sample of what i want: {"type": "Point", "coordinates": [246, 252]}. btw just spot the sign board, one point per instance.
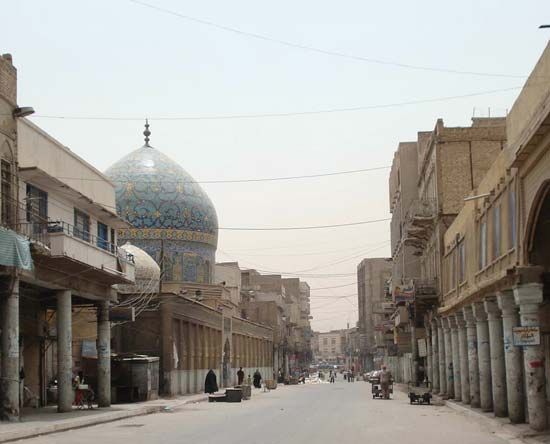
{"type": "Point", "coordinates": [422, 349]}
{"type": "Point", "coordinates": [403, 292]}
{"type": "Point", "coordinates": [525, 336]}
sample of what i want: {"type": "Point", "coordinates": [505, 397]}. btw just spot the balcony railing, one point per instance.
{"type": "Point", "coordinates": [41, 232]}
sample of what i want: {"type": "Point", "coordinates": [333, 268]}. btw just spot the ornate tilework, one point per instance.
{"type": "Point", "coordinates": [166, 207]}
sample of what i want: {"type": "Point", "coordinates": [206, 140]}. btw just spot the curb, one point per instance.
{"type": "Point", "coordinates": [500, 427]}
{"type": "Point", "coordinates": [87, 421]}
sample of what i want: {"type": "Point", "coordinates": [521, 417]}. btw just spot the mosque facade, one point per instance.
{"type": "Point", "coordinates": [172, 218]}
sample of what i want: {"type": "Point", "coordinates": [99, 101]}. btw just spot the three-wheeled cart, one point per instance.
{"type": "Point", "coordinates": [420, 393]}
{"type": "Point", "coordinates": [376, 389]}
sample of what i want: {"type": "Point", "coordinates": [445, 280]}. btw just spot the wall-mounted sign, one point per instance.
{"type": "Point", "coordinates": [525, 336]}
{"type": "Point", "coordinates": [403, 292]}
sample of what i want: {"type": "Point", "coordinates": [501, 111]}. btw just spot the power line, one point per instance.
{"type": "Point", "coordinates": [310, 227]}
{"type": "Point", "coordinates": [261, 179]}
{"type": "Point", "coordinates": [283, 114]}
{"type": "Point", "coordinates": [320, 50]}
{"type": "Point", "coordinates": [335, 286]}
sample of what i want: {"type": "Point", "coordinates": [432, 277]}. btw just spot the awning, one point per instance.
{"type": "Point", "coordinates": [15, 250]}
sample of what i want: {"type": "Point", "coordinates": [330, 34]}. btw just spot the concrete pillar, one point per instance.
{"type": "Point", "coordinates": [441, 358]}
{"type": "Point", "coordinates": [463, 357]}
{"type": "Point", "coordinates": [513, 357]}
{"type": "Point", "coordinates": [435, 358]}
{"type": "Point", "coordinates": [448, 358]}
{"type": "Point", "coordinates": [473, 364]}
{"type": "Point", "coordinates": [457, 379]}
{"type": "Point", "coordinates": [65, 394]}
{"type": "Point", "coordinates": [529, 298]}
{"type": "Point", "coordinates": [414, 347]}
{"type": "Point", "coordinates": [429, 362]}
{"type": "Point", "coordinates": [498, 367]}
{"type": "Point", "coordinates": [10, 352]}
{"type": "Point", "coordinates": [484, 357]}
{"type": "Point", "coordinates": [103, 355]}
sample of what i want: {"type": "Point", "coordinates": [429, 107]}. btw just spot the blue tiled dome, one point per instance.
{"type": "Point", "coordinates": [171, 214]}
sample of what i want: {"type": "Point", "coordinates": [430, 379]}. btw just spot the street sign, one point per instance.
{"type": "Point", "coordinates": [422, 349]}
{"type": "Point", "coordinates": [525, 336]}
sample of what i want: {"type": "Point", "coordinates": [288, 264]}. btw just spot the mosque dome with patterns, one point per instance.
{"type": "Point", "coordinates": [172, 217]}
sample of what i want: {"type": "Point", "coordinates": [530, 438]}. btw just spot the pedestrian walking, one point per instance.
{"type": "Point", "coordinates": [257, 379]}
{"type": "Point", "coordinates": [385, 381]}
{"type": "Point", "coordinates": [240, 376]}
{"type": "Point", "coordinates": [211, 382]}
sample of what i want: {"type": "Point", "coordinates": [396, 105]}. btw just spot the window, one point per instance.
{"type": "Point", "coordinates": [452, 270]}
{"type": "Point", "coordinates": [461, 262]}
{"type": "Point", "coordinates": [37, 204]}
{"type": "Point", "coordinates": [333, 341]}
{"type": "Point", "coordinates": [113, 240]}
{"type": "Point", "coordinates": [496, 232]}
{"type": "Point", "coordinates": [512, 218]}
{"type": "Point", "coordinates": [37, 208]}
{"type": "Point", "coordinates": [102, 236]}
{"type": "Point", "coordinates": [325, 341]}
{"type": "Point", "coordinates": [7, 205]}
{"type": "Point", "coordinates": [81, 225]}
{"type": "Point", "coordinates": [483, 244]}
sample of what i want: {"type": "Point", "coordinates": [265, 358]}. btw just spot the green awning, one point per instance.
{"type": "Point", "coordinates": [15, 250]}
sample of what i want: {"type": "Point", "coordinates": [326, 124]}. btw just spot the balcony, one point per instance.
{"type": "Point", "coordinates": [420, 222]}
{"type": "Point", "coordinates": [64, 247]}
{"type": "Point", "coordinates": [425, 289]}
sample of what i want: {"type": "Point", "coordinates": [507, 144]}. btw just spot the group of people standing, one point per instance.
{"type": "Point", "coordinates": [211, 382]}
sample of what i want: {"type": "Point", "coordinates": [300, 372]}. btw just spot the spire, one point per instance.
{"type": "Point", "coordinates": [147, 133]}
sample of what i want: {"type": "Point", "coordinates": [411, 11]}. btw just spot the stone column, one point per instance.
{"type": "Point", "coordinates": [429, 362]}
{"type": "Point", "coordinates": [457, 380]}
{"type": "Point", "coordinates": [103, 355]}
{"type": "Point", "coordinates": [463, 356]}
{"type": "Point", "coordinates": [512, 356]}
{"type": "Point", "coordinates": [529, 297]}
{"type": "Point", "coordinates": [435, 358]}
{"type": "Point", "coordinates": [498, 368]}
{"type": "Point", "coordinates": [10, 352]}
{"type": "Point", "coordinates": [448, 358]}
{"type": "Point", "coordinates": [441, 358]}
{"type": "Point", "coordinates": [473, 364]}
{"type": "Point", "coordinates": [484, 357]}
{"type": "Point", "coordinates": [65, 394]}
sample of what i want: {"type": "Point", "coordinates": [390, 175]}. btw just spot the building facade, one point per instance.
{"type": "Point", "coordinates": [495, 265]}
{"type": "Point", "coordinates": [59, 262]}
{"type": "Point", "coordinates": [374, 309]}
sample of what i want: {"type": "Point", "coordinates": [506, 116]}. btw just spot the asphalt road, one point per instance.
{"type": "Point", "coordinates": [338, 413]}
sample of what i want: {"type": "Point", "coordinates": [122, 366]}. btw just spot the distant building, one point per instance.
{"type": "Point", "coordinates": [372, 277]}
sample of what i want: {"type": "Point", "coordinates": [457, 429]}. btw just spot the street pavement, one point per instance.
{"type": "Point", "coordinates": [339, 413]}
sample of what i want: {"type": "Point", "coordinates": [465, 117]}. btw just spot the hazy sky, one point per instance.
{"type": "Point", "coordinates": [116, 58]}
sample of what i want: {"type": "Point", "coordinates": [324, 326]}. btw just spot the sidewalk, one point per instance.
{"type": "Point", "coordinates": [501, 427]}
{"type": "Point", "coordinates": [46, 420]}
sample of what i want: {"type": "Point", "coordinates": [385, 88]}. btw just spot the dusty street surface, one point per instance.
{"type": "Point", "coordinates": [338, 413]}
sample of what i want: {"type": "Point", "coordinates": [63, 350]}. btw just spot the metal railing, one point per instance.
{"type": "Point", "coordinates": [38, 228]}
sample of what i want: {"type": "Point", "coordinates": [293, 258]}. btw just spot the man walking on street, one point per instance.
{"type": "Point", "coordinates": [385, 381]}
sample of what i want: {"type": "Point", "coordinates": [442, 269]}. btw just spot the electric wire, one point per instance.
{"type": "Point", "coordinates": [282, 114]}
{"type": "Point", "coordinates": [261, 179]}
{"type": "Point", "coordinates": [318, 50]}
